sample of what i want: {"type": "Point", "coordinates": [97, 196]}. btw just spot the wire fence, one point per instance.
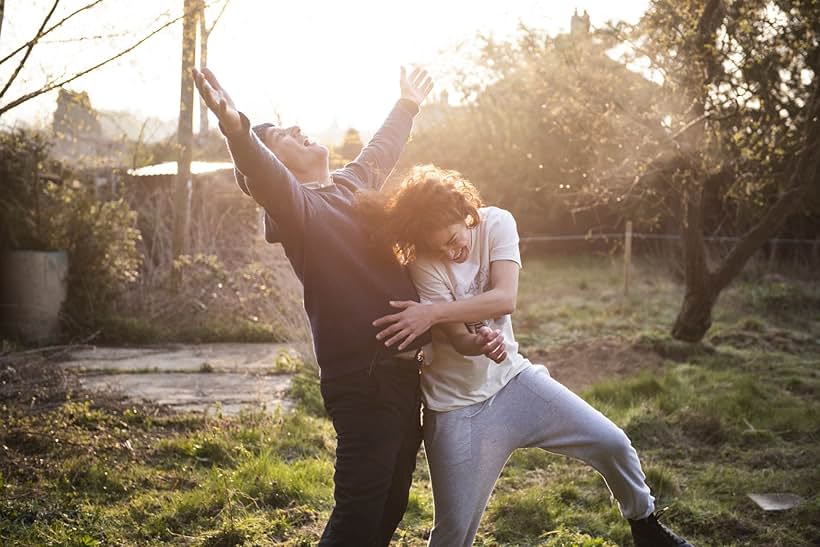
{"type": "Point", "coordinates": [804, 252]}
{"type": "Point", "coordinates": [665, 237]}
{"type": "Point", "coordinates": [774, 248]}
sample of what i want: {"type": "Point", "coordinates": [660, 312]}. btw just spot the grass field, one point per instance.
{"type": "Point", "coordinates": [712, 422]}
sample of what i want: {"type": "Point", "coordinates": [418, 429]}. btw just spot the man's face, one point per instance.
{"type": "Point", "coordinates": [294, 149]}
{"type": "Point", "coordinates": [451, 243]}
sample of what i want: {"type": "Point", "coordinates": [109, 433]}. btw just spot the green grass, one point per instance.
{"type": "Point", "coordinates": [135, 330]}
{"type": "Point", "coordinates": [736, 414]}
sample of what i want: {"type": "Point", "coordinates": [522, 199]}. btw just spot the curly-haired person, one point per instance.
{"type": "Point", "coordinates": [464, 262]}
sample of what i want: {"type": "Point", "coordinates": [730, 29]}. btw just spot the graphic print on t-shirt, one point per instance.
{"type": "Point", "coordinates": [479, 284]}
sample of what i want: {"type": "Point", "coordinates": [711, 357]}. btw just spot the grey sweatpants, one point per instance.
{"type": "Point", "coordinates": [467, 448]}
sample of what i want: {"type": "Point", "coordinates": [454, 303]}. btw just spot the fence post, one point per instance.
{"type": "Point", "coordinates": [627, 255]}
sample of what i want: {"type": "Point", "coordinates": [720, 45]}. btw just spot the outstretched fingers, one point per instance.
{"type": "Point", "coordinates": [217, 100]}
{"type": "Point", "coordinates": [211, 77]}
{"type": "Point", "coordinates": [409, 338]}
{"type": "Point", "coordinates": [203, 87]}
{"type": "Point", "coordinates": [405, 336]}
{"type": "Point", "coordinates": [428, 86]}
{"type": "Point", "coordinates": [387, 320]}
{"type": "Point", "coordinates": [414, 75]}
{"type": "Point", "coordinates": [422, 81]}
{"type": "Point", "coordinates": [418, 77]}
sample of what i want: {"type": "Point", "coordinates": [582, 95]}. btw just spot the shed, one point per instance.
{"type": "Point", "coordinates": [222, 218]}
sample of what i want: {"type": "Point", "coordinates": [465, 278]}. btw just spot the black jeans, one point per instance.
{"type": "Point", "coordinates": [378, 427]}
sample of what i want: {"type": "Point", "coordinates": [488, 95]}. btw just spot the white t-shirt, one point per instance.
{"type": "Point", "coordinates": [453, 380]}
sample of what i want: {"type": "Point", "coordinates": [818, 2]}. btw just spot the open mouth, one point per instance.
{"type": "Point", "coordinates": [461, 254]}
{"type": "Point", "coordinates": [306, 142]}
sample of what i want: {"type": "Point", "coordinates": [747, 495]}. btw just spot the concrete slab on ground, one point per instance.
{"type": "Point", "coordinates": [180, 357]}
{"type": "Point", "coordinates": [197, 392]}
{"type": "Point", "coordinates": [188, 377]}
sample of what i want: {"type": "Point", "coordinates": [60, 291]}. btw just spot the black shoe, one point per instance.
{"type": "Point", "coordinates": [649, 532]}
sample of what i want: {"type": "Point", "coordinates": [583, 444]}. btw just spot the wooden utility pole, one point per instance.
{"type": "Point", "coordinates": [185, 132]}
{"type": "Point", "coordinates": [203, 63]}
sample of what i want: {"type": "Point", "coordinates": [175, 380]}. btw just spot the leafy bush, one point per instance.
{"type": "Point", "coordinates": [101, 242]}
{"type": "Point", "coordinates": [22, 156]}
{"type": "Point", "coordinates": [114, 286]}
{"type": "Point", "coordinates": [47, 207]}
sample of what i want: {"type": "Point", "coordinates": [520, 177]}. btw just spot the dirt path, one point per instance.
{"type": "Point", "coordinates": [579, 366]}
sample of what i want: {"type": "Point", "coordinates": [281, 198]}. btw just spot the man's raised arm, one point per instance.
{"type": "Point", "coordinates": [376, 160]}
{"type": "Point", "coordinates": [268, 181]}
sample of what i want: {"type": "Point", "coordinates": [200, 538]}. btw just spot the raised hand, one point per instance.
{"type": "Point", "coordinates": [217, 100]}
{"type": "Point", "coordinates": [406, 325]}
{"type": "Point", "coordinates": [492, 343]}
{"type": "Point", "coordinates": [416, 86]}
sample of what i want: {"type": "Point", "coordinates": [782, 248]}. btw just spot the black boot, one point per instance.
{"type": "Point", "coordinates": [649, 532]}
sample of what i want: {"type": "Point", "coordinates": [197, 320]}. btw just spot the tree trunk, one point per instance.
{"type": "Point", "coordinates": [182, 193]}
{"type": "Point", "coordinates": [702, 286]}
{"type": "Point", "coordinates": [695, 316]}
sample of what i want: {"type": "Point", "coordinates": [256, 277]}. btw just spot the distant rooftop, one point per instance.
{"type": "Point", "coordinates": [170, 168]}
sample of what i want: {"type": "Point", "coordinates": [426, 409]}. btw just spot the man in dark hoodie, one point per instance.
{"type": "Point", "coordinates": [370, 392]}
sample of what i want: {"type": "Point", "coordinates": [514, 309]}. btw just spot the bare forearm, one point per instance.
{"type": "Point", "coordinates": [465, 343]}
{"type": "Point", "coordinates": [493, 303]}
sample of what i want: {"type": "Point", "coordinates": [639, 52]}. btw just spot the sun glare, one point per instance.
{"type": "Point", "coordinates": [317, 64]}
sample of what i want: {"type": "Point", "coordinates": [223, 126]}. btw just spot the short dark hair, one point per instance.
{"type": "Point", "coordinates": [260, 129]}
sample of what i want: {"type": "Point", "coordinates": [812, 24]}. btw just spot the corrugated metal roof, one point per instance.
{"type": "Point", "coordinates": [170, 168]}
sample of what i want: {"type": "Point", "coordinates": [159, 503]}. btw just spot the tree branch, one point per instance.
{"type": "Point", "coordinates": [88, 38]}
{"type": "Point", "coordinates": [806, 174]}
{"type": "Point", "coordinates": [30, 47]}
{"type": "Point", "coordinates": [48, 87]}
{"type": "Point", "coordinates": [39, 35]}
{"type": "Point", "coordinates": [218, 16]}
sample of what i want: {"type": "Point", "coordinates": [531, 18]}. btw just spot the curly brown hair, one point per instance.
{"type": "Point", "coordinates": [428, 199]}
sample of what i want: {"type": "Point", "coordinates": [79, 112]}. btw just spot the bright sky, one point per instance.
{"type": "Point", "coordinates": [312, 62]}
